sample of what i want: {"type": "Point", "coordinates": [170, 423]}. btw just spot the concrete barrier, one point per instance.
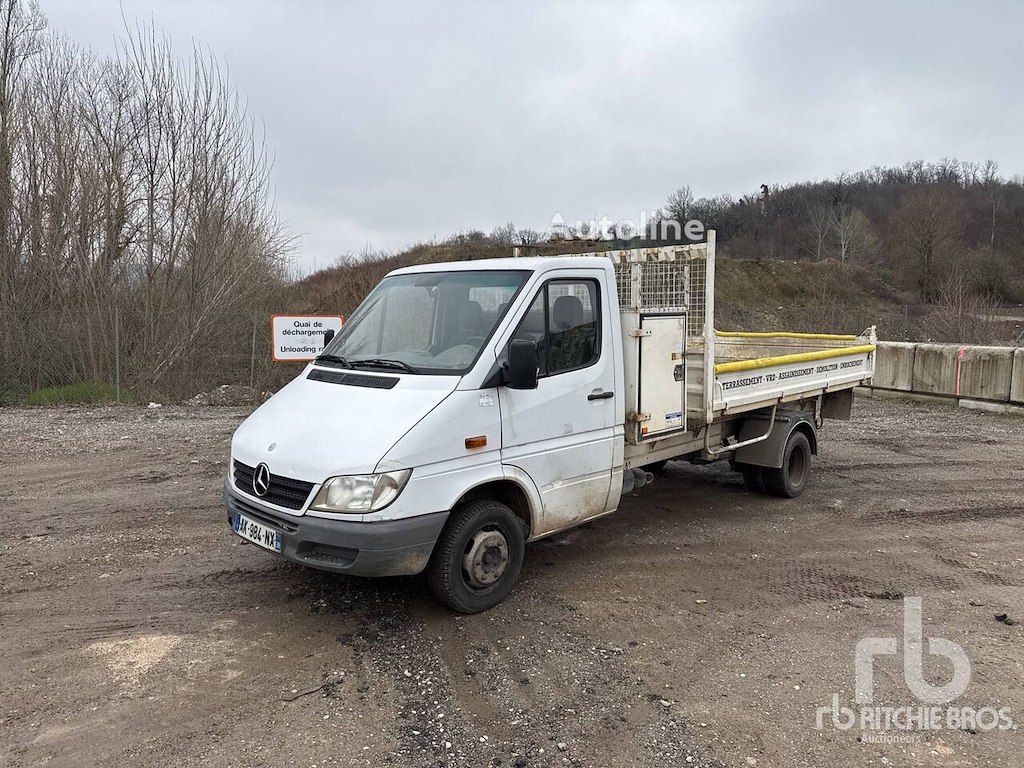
{"type": "Point", "coordinates": [980, 373]}
{"type": "Point", "coordinates": [1003, 409]}
{"type": "Point", "coordinates": [986, 373]}
{"type": "Point", "coordinates": [894, 366]}
{"type": "Point", "coordinates": [1017, 384]}
{"type": "Point", "coordinates": [980, 378]}
{"type": "Point", "coordinates": [935, 369]}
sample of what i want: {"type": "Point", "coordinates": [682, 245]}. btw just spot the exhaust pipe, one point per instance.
{"type": "Point", "coordinates": [634, 479]}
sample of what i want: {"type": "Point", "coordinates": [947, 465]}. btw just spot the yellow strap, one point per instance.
{"type": "Point", "coordinates": [785, 335]}
{"type": "Point", "coordinates": [800, 357]}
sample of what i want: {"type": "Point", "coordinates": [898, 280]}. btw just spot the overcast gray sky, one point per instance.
{"type": "Point", "coordinates": [398, 122]}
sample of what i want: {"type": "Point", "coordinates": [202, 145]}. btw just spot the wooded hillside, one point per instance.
{"type": "Point", "coordinates": [921, 225]}
{"type": "Point", "coordinates": [925, 251]}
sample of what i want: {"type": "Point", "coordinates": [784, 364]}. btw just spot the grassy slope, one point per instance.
{"type": "Point", "coordinates": [825, 297]}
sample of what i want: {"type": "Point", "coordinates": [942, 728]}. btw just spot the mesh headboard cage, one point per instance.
{"type": "Point", "coordinates": [668, 279]}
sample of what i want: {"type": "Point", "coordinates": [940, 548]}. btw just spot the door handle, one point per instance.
{"type": "Point", "coordinates": [600, 395]}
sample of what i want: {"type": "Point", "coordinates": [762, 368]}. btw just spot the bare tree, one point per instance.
{"type": "Point", "coordinates": [993, 192]}
{"type": "Point", "coordinates": [134, 184]}
{"type": "Point", "coordinates": [961, 315]}
{"type": "Point", "coordinates": [818, 228]}
{"type": "Point", "coordinates": [855, 239]}
{"type": "Point", "coordinates": [678, 205]}
{"type": "Point", "coordinates": [529, 236]}
{"type": "Point", "coordinates": [21, 28]}
{"type": "Point", "coordinates": [839, 189]}
{"type": "Point", "coordinates": [505, 235]}
{"type": "Point", "coordinates": [926, 232]}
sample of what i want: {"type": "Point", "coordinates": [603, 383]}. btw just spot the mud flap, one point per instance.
{"type": "Point", "coordinates": [768, 453]}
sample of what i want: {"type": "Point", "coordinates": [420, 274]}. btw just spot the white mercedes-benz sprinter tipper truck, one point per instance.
{"type": "Point", "coordinates": [468, 408]}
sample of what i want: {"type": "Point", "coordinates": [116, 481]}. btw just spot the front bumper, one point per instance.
{"type": "Point", "coordinates": [383, 548]}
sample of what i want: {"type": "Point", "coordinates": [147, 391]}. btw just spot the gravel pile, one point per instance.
{"type": "Point", "coordinates": [229, 395]}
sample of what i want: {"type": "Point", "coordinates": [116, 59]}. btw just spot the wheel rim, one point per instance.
{"type": "Point", "coordinates": [796, 468]}
{"type": "Point", "coordinates": [486, 558]}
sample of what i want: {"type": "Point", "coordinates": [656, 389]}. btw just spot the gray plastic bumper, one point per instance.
{"type": "Point", "coordinates": [384, 548]}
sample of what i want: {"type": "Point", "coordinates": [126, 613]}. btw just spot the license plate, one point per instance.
{"type": "Point", "coordinates": [257, 533]}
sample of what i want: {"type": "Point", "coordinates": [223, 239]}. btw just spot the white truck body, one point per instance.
{"type": "Point", "coordinates": [375, 465]}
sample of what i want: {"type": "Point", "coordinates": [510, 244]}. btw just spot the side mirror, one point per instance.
{"type": "Point", "coordinates": [328, 335]}
{"type": "Point", "coordinates": [522, 364]}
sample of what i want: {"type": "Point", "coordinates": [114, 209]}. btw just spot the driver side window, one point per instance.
{"type": "Point", "coordinates": [564, 322]}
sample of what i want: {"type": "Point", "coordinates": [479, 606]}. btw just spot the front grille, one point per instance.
{"type": "Point", "coordinates": [272, 520]}
{"type": "Point", "coordinates": [284, 491]}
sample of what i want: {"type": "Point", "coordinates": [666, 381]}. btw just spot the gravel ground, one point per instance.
{"type": "Point", "coordinates": [701, 625]}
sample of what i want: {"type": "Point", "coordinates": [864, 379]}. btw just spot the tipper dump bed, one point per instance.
{"type": "Point", "coordinates": [672, 350]}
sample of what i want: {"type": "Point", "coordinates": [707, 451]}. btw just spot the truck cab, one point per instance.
{"type": "Point", "coordinates": [411, 415]}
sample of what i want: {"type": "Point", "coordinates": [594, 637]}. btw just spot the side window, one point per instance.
{"type": "Point", "coordinates": [564, 321]}
{"type": "Point", "coordinates": [573, 338]}
{"type": "Point", "coordinates": [531, 328]}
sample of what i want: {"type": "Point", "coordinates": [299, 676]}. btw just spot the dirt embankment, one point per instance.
{"type": "Point", "coordinates": [701, 625]}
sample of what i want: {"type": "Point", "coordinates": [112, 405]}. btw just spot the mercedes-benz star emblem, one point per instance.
{"type": "Point", "coordinates": [261, 480]}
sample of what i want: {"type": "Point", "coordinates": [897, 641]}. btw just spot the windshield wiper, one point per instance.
{"type": "Point", "coordinates": [342, 361]}
{"type": "Point", "coordinates": [380, 362]}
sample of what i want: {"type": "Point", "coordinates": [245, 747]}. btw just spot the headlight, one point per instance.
{"type": "Point", "coordinates": [360, 493]}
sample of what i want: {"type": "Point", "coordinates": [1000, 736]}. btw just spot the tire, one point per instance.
{"type": "Point", "coordinates": [791, 478]}
{"type": "Point", "coordinates": [477, 558]}
{"type": "Point", "coordinates": [753, 476]}
{"type": "Point", "coordinates": [657, 467]}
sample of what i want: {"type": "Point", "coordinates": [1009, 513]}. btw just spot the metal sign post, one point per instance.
{"type": "Point", "coordinates": [252, 354]}
{"type": "Point", "coordinates": [117, 354]}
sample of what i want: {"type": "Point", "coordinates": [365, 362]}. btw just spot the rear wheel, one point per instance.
{"type": "Point", "coordinates": [790, 479]}
{"type": "Point", "coordinates": [478, 557]}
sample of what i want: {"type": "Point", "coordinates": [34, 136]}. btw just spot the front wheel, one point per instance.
{"type": "Point", "coordinates": [790, 479]}
{"type": "Point", "coordinates": [478, 557]}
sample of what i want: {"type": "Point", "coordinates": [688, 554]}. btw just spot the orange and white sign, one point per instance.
{"type": "Point", "coordinates": [300, 337]}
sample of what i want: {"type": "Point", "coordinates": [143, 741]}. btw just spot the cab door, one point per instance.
{"type": "Point", "coordinates": [562, 434]}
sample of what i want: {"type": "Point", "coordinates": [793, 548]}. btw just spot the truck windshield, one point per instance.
{"type": "Point", "coordinates": [429, 322]}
